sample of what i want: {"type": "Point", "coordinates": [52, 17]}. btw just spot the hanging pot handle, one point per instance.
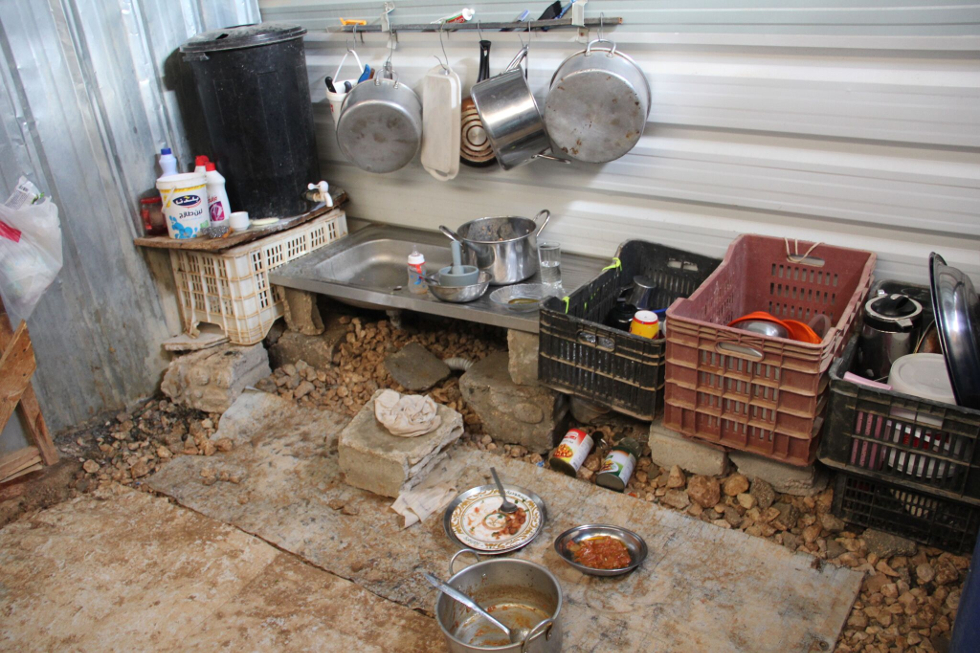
{"type": "Point", "coordinates": [547, 216]}
{"type": "Point", "coordinates": [612, 50]}
{"type": "Point", "coordinates": [452, 561]}
{"type": "Point", "coordinates": [550, 158]}
{"type": "Point", "coordinates": [449, 233]}
{"type": "Point", "coordinates": [545, 626]}
{"type": "Point", "coordinates": [516, 61]}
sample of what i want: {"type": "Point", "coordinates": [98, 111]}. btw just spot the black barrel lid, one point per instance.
{"type": "Point", "coordinates": [894, 312]}
{"type": "Point", "coordinates": [242, 36]}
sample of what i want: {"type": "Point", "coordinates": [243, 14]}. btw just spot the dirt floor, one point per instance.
{"type": "Point", "coordinates": [909, 596]}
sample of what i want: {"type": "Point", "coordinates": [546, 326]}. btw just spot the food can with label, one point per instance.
{"type": "Point", "coordinates": [618, 465]}
{"type": "Point", "coordinates": [571, 452]}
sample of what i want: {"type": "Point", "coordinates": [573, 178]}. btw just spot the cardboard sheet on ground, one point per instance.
{"type": "Point", "coordinates": [702, 588]}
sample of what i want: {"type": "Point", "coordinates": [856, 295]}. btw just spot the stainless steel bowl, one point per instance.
{"type": "Point", "coordinates": [459, 294]}
{"type": "Point", "coordinates": [634, 544]}
{"type": "Point", "coordinates": [521, 298]}
{"type": "Point", "coordinates": [764, 328]}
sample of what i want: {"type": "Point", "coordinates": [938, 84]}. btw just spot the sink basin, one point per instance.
{"type": "Point", "coordinates": [369, 268]}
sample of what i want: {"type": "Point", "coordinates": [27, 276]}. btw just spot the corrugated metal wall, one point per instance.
{"type": "Point", "coordinates": [88, 96]}
{"type": "Point", "coordinates": [854, 123]}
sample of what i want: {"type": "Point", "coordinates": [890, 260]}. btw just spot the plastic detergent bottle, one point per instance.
{"type": "Point", "coordinates": [416, 273]}
{"type": "Point", "coordinates": [200, 163]}
{"type": "Point", "coordinates": [168, 162]}
{"type": "Point", "coordinates": [218, 207]}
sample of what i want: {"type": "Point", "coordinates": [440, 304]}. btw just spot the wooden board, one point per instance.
{"type": "Point", "coordinates": [16, 462]}
{"type": "Point", "coordinates": [702, 588]}
{"type": "Point", "coordinates": [218, 244]}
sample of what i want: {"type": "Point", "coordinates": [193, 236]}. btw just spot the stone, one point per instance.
{"type": "Point", "coordinates": [736, 484]}
{"type": "Point", "coordinates": [811, 533]}
{"type": "Point", "coordinates": [747, 501]}
{"type": "Point", "coordinates": [212, 379]}
{"type": "Point", "coordinates": [90, 466]}
{"type": "Point", "coordinates": [522, 349]}
{"type": "Point", "coordinates": [223, 444]}
{"type": "Point", "coordinates": [676, 499]}
{"type": "Point", "coordinates": [374, 460]}
{"type": "Point", "coordinates": [303, 389]}
{"type": "Point", "coordinates": [886, 545]}
{"type": "Point", "coordinates": [763, 492]}
{"type": "Point", "coordinates": [140, 469]}
{"type": "Point", "coordinates": [317, 350]}
{"type": "Point", "coordinates": [531, 416]}
{"type": "Point", "coordinates": [668, 448]}
{"type": "Point", "coordinates": [704, 490]}
{"type": "Point", "coordinates": [831, 523]}
{"type": "Point", "coordinates": [676, 478]}
{"type": "Point", "coordinates": [834, 549]}
{"type": "Point", "coordinates": [787, 517]}
{"type": "Point", "coordinates": [301, 312]}
{"type": "Point", "coordinates": [786, 479]}
{"type": "Point", "coordinates": [208, 336]}
{"type": "Point", "coordinates": [416, 368]}
{"type": "Point", "coordinates": [924, 573]}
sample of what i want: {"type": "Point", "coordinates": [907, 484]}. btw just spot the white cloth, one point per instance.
{"type": "Point", "coordinates": [406, 416]}
{"type": "Point", "coordinates": [416, 505]}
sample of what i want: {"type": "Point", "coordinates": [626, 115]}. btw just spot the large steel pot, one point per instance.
{"type": "Point", "coordinates": [380, 125]}
{"type": "Point", "coordinates": [517, 592]}
{"type": "Point", "coordinates": [510, 116]}
{"type": "Point", "coordinates": [597, 104]}
{"type": "Point", "coordinates": [506, 247]}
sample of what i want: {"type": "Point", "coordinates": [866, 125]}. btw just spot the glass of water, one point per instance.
{"type": "Point", "coordinates": [549, 259]}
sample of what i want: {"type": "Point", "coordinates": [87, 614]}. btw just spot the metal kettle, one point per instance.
{"type": "Point", "coordinates": [891, 329]}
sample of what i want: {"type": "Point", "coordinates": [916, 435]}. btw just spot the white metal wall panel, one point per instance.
{"type": "Point", "coordinates": [851, 123]}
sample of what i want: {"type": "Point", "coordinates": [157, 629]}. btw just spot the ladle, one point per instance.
{"type": "Point", "coordinates": [515, 635]}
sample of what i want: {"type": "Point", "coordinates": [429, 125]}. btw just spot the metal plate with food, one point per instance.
{"type": "Point", "coordinates": [601, 549]}
{"type": "Point", "coordinates": [474, 520]}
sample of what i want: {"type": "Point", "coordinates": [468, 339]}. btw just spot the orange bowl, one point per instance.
{"type": "Point", "coordinates": [802, 332]}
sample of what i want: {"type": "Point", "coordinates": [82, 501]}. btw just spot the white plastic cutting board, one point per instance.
{"type": "Point", "coordinates": [441, 100]}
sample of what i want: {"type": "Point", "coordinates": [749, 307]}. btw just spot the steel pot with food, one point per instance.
{"type": "Point", "coordinates": [522, 595]}
{"type": "Point", "coordinates": [380, 125]}
{"type": "Point", "coordinates": [597, 104]}
{"type": "Point", "coordinates": [506, 246]}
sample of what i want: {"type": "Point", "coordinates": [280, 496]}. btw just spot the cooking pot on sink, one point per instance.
{"type": "Point", "coordinates": [527, 593]}
{"type": "Point", "coordinates": [506, 246]}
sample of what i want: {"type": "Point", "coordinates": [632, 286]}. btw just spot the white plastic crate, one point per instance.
{"type": "Point", "coordinates": [231, 288]}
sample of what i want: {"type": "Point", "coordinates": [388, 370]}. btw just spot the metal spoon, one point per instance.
{"type": "Point", "coordinates": [456, 595]}
{"type": "Point", "coordinates": [507, 505]}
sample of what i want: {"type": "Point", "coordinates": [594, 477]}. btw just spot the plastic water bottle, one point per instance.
{"type": "Point", "coordinates": [168, 162]}
{"type": "Point", "coordinates": [218, 208]}
{"type": "Point", "coordinates": [416, 273]}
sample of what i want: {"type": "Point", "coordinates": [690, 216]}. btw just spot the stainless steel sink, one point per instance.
{"type": "Point", "coordinates": [369, 268]}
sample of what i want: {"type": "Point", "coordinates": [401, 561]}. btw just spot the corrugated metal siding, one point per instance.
{"type": "Point", "coordinates": [851, 124]}
{"type": "Point", "coordinates": [85, 104]}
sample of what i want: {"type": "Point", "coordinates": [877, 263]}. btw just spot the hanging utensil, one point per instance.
{"type": "Point", "coordinates": [441, 94]}
{"type": "Point", "coordinates": [475, 148]}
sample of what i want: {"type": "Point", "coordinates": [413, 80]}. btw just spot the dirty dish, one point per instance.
{"type": "Point", "coordinates": [474, 519]}
{"type": "Point", "coordinates": [802, 332]}
{"type": "Point", "coordinates": [458, 294]}
{"type": "Point", "coordinates": [571, 540]}
{"type": "Point", "coordinates": [458, 596]}
{"type": "Point", "coordinates": [522, 298]}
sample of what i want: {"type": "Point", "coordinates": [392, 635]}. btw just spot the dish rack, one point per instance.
{"type": "Point", "coordinates": [231, 288]}
{"type": "Point", "coordinates": [580, 355]}
{"type": "Point", "coordinates": [756, 393]}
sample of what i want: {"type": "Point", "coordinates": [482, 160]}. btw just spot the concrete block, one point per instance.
{"type": "Point", "coordinates": [374, 460]}
{"type": "Point", "coordinates": [523, 351]}
{"type": "Point", "coordinates": [788, 479]}
{"type": "Point", "coordinates": [668, 448]}
{"type": "Point", "coordinates": [317, 350]}
{"type": "Point", "coordinates": [531, 416]}
{"type": "Point", "coordinates": [211, 379]}
{"type": "Point", "coordinates": [301, 312]}
{"type": "Point", "coordinates": [416, 368]}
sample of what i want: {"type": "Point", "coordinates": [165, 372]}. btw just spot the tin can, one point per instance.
{"type": "Point", "coordinates": [645, 324]}
{"type": "Point", "coordinates": [618, 465]}
{"type": "Point", "coordinates": [571, 452]}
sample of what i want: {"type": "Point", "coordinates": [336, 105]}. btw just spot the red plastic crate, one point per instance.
{"type": "Point", "coordinates": [770, 391]}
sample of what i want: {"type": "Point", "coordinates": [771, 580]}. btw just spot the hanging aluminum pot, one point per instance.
{"type": "Point", "coordinates": [510, 116]}
{"type": "Point", "coordinates": [597, 104]}
{"type": "Point", "coordinates": [380, 126]}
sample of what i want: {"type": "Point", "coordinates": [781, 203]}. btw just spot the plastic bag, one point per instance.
{"type": "Point", "coordinates": [30, 248]}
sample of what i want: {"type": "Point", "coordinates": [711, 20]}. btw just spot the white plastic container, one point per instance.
{"type": "Point", "coordinates": [416, 273]}
{"type": "Point", "coordinates": [218, 207]}
{"type": "Point", "coordinates": [200, 164]}
{"type": "Point", "coordinates": [185, 203]}
{"type": "Point", "coordinates": [168, 162]}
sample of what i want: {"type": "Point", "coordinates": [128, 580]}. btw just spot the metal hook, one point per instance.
{"type": "Point", "coordinates": [445, 66]}
{"type": "Point", "coordinates": [601, 16]}
{"type": "Point", "coordinates": [479, 29]}
{"type": "Point", "coordinates": [391, 50]}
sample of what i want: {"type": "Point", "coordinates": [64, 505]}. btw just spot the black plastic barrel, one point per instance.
{"type": "Point", "coordinates": [255, 101]}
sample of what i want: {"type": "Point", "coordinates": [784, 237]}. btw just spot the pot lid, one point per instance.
{"type": "Point", "coordinates": [242, 36]}
{"type": "Point", "coordinates": [957, 310]}
{"type": "Point", "coordinates": [893, 312]}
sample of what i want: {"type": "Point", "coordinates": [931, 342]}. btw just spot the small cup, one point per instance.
{"type": "Point", "coordinates": [645, 324]}
{"type": "Point", "coordinates": [239, 220]}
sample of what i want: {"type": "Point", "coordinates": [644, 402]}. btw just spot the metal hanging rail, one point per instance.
{"type": "Point", "coordinates": [555, 23]}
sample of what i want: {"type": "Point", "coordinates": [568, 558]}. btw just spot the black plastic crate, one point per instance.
{"type": "Point", "coordinates": [579, 355]}
{"type": "Point", "coordinates": [894, 437]}
{"type": "Point", "coordinates": [920, 516]}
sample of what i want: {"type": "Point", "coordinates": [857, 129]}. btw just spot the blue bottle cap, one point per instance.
{"type": "Point", "coordinates": [166, 150]}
